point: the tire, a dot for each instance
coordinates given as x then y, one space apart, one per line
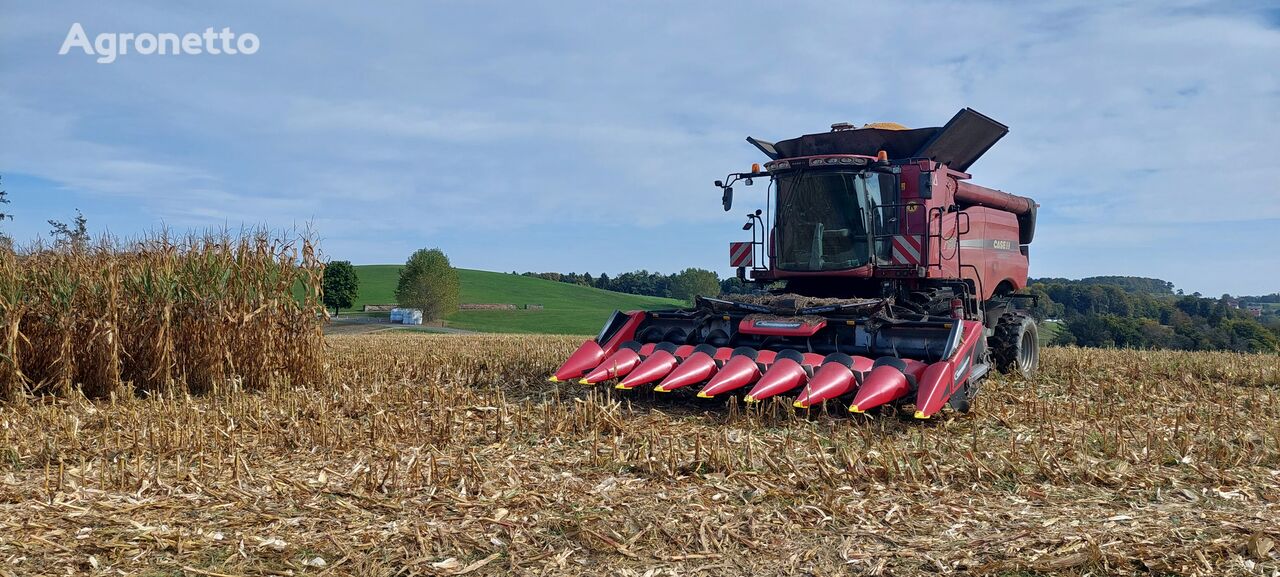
1015 346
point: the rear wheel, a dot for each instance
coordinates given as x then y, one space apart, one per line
1015 346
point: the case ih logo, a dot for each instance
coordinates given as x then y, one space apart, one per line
739 254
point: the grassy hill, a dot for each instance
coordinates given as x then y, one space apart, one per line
567 309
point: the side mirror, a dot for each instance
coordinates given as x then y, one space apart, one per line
748 181
719 184
727 199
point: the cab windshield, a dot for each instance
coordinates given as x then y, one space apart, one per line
823 221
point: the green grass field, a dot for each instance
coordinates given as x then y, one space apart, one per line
377 284
1049 332
567 309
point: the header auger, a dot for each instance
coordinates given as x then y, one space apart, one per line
890 279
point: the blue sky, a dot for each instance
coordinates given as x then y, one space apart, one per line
584 136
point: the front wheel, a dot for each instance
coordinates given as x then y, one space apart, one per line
1015 346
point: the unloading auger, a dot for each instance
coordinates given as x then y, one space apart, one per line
884 277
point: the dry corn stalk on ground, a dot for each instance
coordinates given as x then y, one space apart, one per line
450 455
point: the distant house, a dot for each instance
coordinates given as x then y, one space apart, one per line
1254 309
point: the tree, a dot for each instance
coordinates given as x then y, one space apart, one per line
74 236
603 282
4 199
430 283
341 285
5 241
734 286
693 282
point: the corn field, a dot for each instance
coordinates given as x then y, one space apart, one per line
451 455
159 316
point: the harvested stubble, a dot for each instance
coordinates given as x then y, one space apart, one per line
159 316
450 455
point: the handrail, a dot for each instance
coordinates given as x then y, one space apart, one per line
877 237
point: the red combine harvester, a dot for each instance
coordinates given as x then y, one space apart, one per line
891 280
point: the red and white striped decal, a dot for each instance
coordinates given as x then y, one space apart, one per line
906 249
739 254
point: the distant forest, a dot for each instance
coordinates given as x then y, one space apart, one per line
1137 312
640 282
1102 311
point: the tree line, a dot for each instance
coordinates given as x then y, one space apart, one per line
1129 284
683 285
1131 312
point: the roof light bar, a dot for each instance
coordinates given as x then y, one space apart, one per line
839 160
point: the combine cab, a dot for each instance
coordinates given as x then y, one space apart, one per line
891 280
